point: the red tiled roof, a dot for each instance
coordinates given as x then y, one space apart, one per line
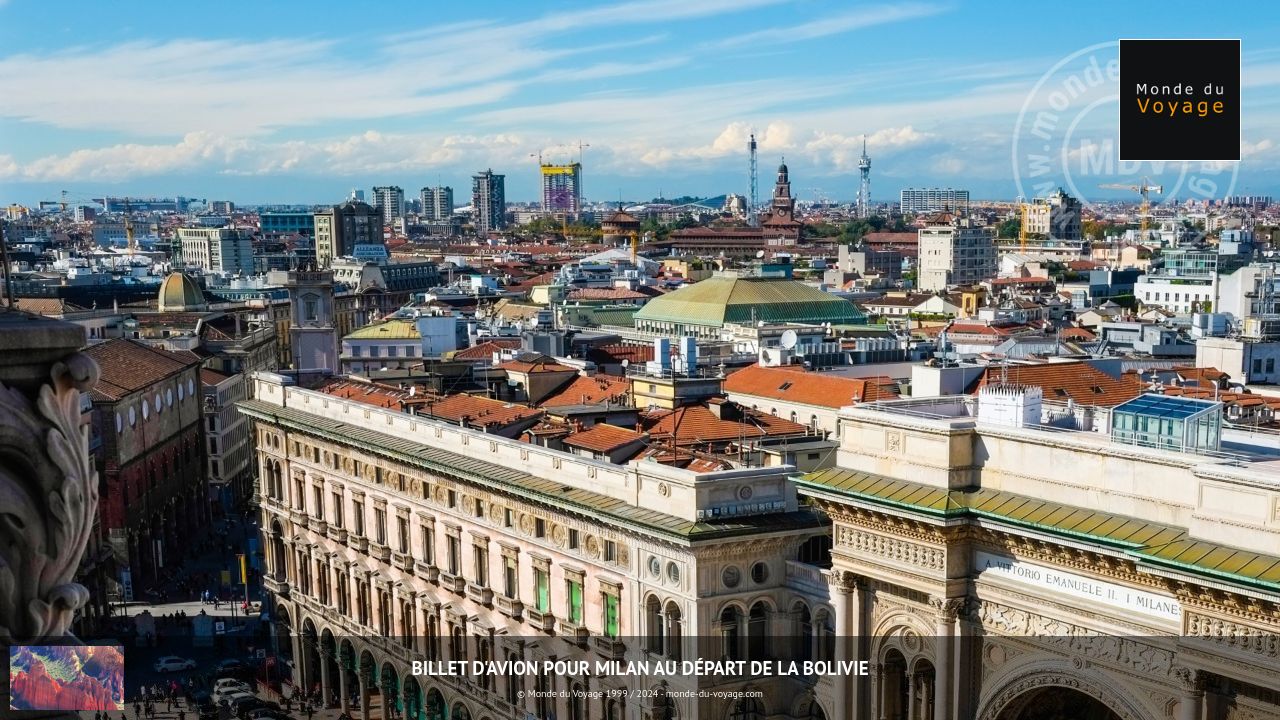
604 438
541 365
477 411
583 390
128 366
617 353
808 388
211 377
486 349
368 393
697 425
1060 382
1075 333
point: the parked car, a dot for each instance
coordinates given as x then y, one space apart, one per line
228 682
230 695
173 663
241 708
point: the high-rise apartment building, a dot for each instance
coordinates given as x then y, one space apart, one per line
955 250
226 250
389 200
489 201
562 188
922 200
1055 218
340 229
437 203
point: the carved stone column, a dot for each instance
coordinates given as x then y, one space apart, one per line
48 484
1191 705
947 609
841 590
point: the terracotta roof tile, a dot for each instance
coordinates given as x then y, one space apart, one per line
478 412
595 390
808 388
365 392
1078 381
604 438
129 366
543 364
698 425
486 349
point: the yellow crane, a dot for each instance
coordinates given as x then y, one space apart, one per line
1144 211
1022 227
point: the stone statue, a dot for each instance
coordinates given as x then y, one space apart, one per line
48 484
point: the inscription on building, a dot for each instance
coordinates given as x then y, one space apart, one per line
1066 583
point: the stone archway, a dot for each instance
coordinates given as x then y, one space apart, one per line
1056 703
1051 693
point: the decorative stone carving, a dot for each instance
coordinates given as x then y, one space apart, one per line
891 548
48 484
1232 635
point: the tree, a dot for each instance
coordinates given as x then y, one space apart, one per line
1009 228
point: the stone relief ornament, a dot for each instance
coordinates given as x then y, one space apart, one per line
48 500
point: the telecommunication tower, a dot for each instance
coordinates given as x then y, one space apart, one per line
754 201
864 189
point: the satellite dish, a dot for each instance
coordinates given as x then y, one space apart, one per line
759 253
789 339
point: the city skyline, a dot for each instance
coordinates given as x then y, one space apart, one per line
279 107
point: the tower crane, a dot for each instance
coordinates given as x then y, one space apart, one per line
1143 189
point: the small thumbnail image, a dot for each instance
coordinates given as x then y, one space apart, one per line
66 677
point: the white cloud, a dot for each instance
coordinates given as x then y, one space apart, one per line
858 19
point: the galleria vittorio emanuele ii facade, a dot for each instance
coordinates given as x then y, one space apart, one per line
962 560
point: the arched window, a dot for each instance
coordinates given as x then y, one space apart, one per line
731 632
664 708
577 710
794 416
803 631
655 622
758 632
675 632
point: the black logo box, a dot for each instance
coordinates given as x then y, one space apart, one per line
1180 65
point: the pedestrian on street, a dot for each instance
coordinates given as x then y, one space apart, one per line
311 710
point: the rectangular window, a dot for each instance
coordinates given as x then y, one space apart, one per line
611 615
511 578
337 510
573 539
455 552
481 565
479 508
610 551
402 525
318 494
574 590
428 545
507 519
1271 365
539 528
542 579
380 525
357 517
453 499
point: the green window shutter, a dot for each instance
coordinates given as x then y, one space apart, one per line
544 591
611 615
575 603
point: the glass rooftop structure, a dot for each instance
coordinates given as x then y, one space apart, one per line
1174 423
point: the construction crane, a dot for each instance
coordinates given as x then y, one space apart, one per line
1144 211
1022 227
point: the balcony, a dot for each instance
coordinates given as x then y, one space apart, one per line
455 584
806 578
430 573
276 583
319 526
545 622
380 551
402 561
359 543
480 594
609 648
510 607
337 533
298 516
574 632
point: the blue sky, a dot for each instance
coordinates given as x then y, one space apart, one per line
301 101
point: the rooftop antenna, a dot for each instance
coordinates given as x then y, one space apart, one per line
864 188
754 202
